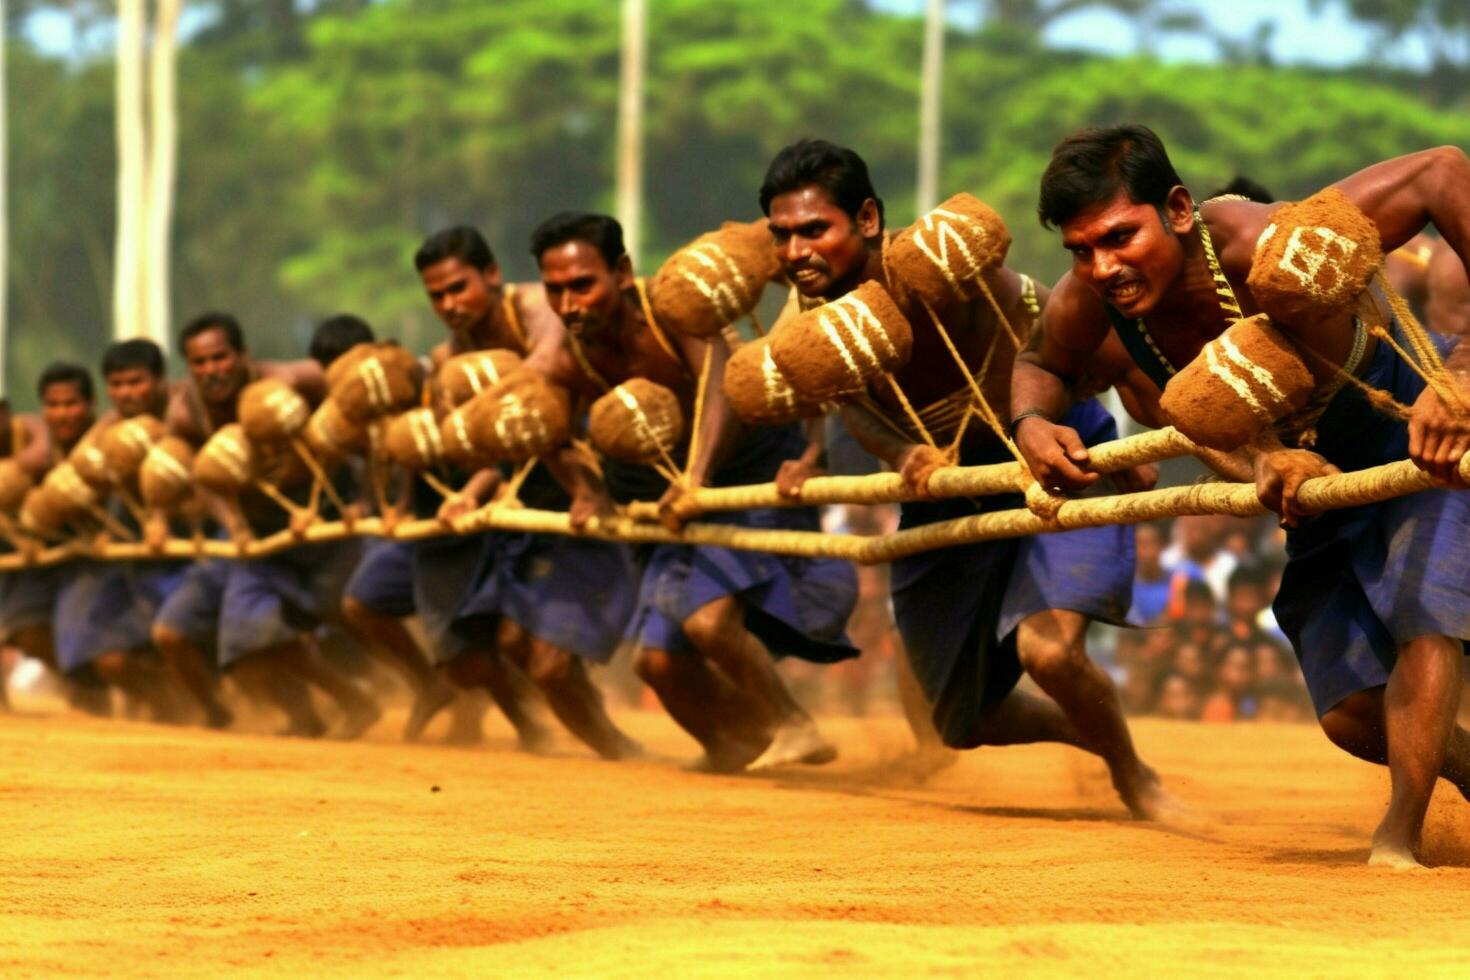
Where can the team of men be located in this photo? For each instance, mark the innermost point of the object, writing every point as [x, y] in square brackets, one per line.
[1375, 599]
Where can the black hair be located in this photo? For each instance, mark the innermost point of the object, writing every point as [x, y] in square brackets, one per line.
[460, 242]
[836, 169]
[1195, 589]
[336, 335]
[126, 355]
[1091, 166]
[601, 231]
[1246, 188]
[65, 372]
[1250, 576]
[213, 320]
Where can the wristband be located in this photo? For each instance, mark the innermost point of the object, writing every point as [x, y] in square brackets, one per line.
[1030, 413]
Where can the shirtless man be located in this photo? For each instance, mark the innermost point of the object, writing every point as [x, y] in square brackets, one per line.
[112, 639]
[1376, 599]
[493, 597]
[42, 608]
[253, 612]
[972, 617]
[708, 619]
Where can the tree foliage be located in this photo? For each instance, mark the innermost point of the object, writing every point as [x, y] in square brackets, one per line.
[320, 141]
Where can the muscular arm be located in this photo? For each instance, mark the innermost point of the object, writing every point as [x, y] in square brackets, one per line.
[1404, 194]
[1061, 351]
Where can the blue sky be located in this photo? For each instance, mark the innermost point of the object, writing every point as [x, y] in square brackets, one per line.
[1302, 35]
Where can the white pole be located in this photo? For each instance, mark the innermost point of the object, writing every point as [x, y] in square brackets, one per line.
[127, 281]
[630, 124]
[162, 161]
[4, 212]
[931, 83]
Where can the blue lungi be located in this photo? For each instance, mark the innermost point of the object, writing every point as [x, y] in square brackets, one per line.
[244, 606]
[957, 608]
[114, 611]
[1360, 582]
[798, 607]
[383, 579]
[576, 594]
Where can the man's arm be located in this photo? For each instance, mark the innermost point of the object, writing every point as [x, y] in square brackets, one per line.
[1402, 195]
[1061, 351]
[915, 462]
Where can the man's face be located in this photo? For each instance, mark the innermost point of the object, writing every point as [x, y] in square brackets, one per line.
[462, 296]
[217, 368]
[821, 248]
[135, 390]
[580, 287]
[66, 413]
[1130, 254]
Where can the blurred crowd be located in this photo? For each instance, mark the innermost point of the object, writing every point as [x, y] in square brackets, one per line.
[1210, 650]
[1213, 650]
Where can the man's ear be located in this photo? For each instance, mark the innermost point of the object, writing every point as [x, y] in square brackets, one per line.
[1179, 210]
[869, 221]
[493, 276]
[624, 272]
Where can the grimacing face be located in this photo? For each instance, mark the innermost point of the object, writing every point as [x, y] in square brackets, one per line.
[461, 295]
[66, 412]
[1130, 254]
[822, 249]
[134, 390]
[218, 369]
[580, 286]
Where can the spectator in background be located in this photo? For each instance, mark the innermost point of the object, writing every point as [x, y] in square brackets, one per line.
[1195, 553]
[1233, 698]
[1150, 582]
[1177, 699]
[1198, 619]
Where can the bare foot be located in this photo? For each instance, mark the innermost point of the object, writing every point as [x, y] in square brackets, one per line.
[1395, 857]
[217, 717]
[622, 748]
[435, 697]
[726, 754]
[1145, 798]
[534, 739]
[796, 742]
[359, 720]
[304, 729]
[1393, 851]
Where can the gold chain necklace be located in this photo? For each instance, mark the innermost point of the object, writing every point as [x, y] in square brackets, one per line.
[1229, 305]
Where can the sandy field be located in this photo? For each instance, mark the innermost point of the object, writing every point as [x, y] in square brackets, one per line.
[133, 849]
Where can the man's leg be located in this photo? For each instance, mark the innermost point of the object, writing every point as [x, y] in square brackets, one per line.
[1409, 725]
[725, 721]
[562, 677]
[185, 660]
[485, 669]
[139, 678]
[360, 711]
[266, 681]
[391, 643]
[930, 749]
[1052, 649]
[717, 630]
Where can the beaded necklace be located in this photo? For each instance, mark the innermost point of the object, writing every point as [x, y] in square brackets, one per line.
[1229, 305]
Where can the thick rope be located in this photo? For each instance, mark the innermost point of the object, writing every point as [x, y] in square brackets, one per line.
[1239, 500]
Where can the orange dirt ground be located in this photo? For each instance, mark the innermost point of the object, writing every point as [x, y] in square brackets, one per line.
[133, 849]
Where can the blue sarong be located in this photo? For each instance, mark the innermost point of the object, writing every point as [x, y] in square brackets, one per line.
[797, 607]
[957, 608]
[1360, 582]
[244, 606]
[114, 611]
[383, 579]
